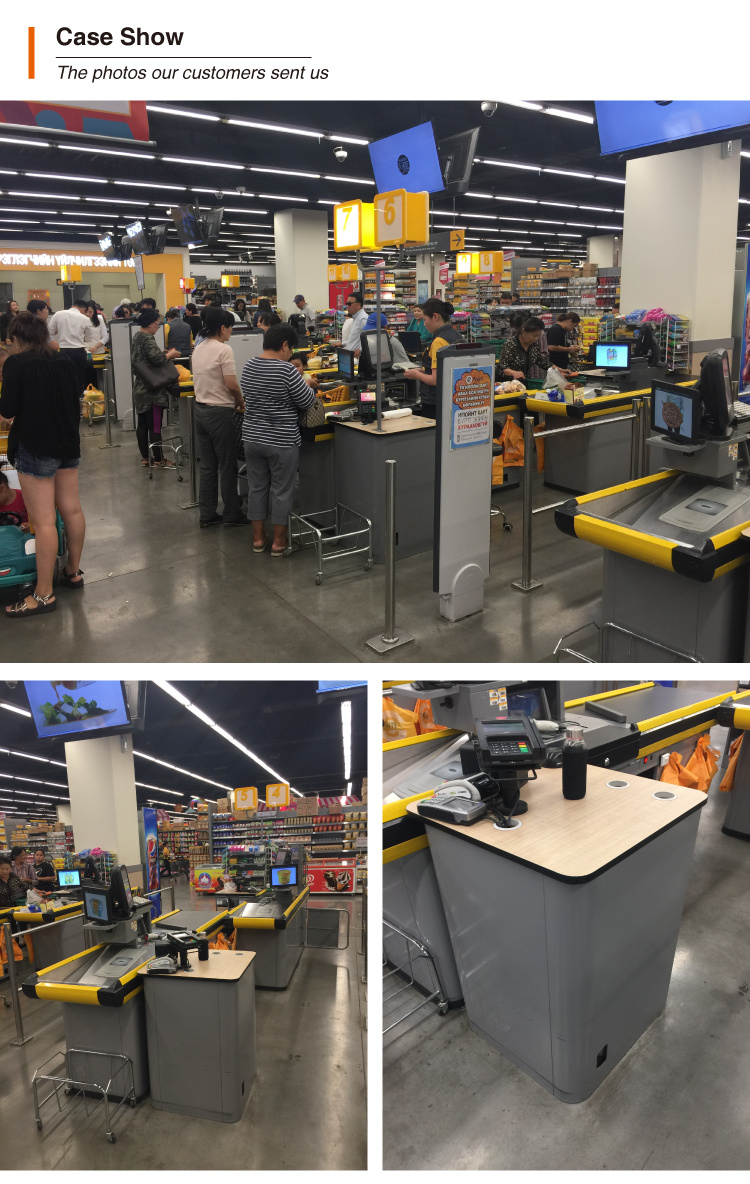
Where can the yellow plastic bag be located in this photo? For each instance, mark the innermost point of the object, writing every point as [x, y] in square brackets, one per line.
[183, 372]
[734, 751]
[675, 773]
[398, 722]
[17, 952]
[703, 763]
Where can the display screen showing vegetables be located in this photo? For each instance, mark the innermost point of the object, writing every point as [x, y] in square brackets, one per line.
[61, 708]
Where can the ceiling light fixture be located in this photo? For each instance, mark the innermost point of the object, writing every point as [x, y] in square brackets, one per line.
[176, 768]
[285, 172]
[185, 114]
[346, 737]
[349, 180]
[511, 164]
[208, 164]
[17, 710]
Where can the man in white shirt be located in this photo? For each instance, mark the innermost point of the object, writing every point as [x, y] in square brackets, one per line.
[72, 330]
[357, 316]
[307, 310]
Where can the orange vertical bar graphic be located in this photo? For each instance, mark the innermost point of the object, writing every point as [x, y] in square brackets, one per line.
[32, 70]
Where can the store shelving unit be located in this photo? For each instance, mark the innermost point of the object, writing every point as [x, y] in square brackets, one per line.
[246, 288]
[187, 838]
[249, 868]
[582, 294]
[608, 288]
[674, 338]
[322, 834]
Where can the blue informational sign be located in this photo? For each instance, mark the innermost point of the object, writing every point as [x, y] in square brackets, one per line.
[745, 354]
[151, 844]
[626, 125]
[472, 403]
[408, 160]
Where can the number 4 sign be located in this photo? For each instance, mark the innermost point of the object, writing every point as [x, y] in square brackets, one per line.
[277, 795]
[401, 217]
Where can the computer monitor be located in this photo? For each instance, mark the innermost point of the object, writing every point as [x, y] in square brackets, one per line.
[69, 879]
[411, 342]
[138, 236]
[97, 905]
[457, 154]
[212, 220]
[676, 412]
[108, 247]
[186, 223]
[372, 340]
[715, 388]
[612, 355]
[158, 238]
[283, 877]
[122, 896]
[345, 362]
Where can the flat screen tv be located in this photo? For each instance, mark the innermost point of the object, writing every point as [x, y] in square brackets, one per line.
[632, 125]
[138, 236]
[77, 709]
[187, 225]
[409, 160]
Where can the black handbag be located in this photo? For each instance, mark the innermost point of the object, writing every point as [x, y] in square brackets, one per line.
[156, 378]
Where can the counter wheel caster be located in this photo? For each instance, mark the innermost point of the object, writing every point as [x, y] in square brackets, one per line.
[38, 1124]
[318, 579]
[133, 1103]
[443, 1009]
[179, 476]
[287, 552]
[111, 1137]
[68, 1091]
[368, 565]
[507, 525]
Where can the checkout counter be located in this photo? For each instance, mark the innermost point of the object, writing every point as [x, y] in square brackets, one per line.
[272, 925]
[53, 942]
[736, 716]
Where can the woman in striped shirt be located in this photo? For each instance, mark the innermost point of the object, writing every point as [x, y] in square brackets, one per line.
[275, 393]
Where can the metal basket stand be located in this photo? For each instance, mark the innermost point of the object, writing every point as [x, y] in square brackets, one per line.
[415, 950]
[340, 530]
[69, 1086]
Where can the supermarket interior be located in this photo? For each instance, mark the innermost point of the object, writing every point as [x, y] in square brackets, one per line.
[525, 324]
[191, 950]
[565, 887]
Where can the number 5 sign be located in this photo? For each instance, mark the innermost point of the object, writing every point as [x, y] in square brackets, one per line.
[277, 795]
[401, 217]
[246, 798]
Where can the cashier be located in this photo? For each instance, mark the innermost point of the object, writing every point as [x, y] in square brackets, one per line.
[520, 353]
[44, 871]
[557, 339]
[437, 315]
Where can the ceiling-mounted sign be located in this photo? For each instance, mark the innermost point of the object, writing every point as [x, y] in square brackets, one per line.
[70, 274]
[353, 226]
[230, 281]
[401, 218]
[246, 798]
[187, 283]
[277, 795]
[128, 121]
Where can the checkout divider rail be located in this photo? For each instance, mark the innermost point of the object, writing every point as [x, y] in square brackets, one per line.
[637, 460]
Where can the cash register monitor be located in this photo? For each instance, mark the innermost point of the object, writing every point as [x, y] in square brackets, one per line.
[97, 905]
[120, 891]
[715, 388]
[411, 342]
[345, 363]
[69, 879]
[371, 341]
[284, 877]
[612, 355]
[676, 412]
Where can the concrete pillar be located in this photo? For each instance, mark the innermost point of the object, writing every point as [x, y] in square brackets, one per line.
[103, 806]
[601, 250]
[301, 258]
[679, 239]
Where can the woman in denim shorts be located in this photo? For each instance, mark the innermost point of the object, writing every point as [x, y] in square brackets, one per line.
[40, 395]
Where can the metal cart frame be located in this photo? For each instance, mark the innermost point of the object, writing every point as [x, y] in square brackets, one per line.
[69, 1085]
[421, 951]
[330, 528]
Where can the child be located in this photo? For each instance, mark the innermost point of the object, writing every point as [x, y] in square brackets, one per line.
[12, 499]
[310, 379]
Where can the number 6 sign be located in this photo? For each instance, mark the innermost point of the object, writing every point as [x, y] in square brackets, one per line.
[277, 795]
[401, 217]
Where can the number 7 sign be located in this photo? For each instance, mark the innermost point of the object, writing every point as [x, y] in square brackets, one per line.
[277, 795]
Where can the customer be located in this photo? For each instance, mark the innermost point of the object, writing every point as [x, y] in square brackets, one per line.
[11, 500]
[557, 339]
[98, 324]
[217, 398]
[307, 311]
[42, 311]
[44, 871]
[516, 298]
[267, 320]
[264, 306]
[417, 325]
[71, 328]
[12, 891]
[372, 321]
[521, 353]
[11, 310]
[177, 333]
[506, 300]
[40, 395]
[149, 405]
[437, 315]
[148, 303]
[23, 867]
[121, 313]
[299, 365]
[240, 311]
[274, 393]
[358, 316]
[193, 320]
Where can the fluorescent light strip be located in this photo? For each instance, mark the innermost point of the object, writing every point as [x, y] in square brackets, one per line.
[280, 197]
[160, 789]
[31, 757]
[27, 210]
[30, 143]
[285, 172]
[272, 127]
[65, 177]
[577, 115]
[48, 196]
[177, 769]
[185, 114]
[527, 201]
[346, 737]
[17, 710]
[33, 780]
[569, 173]
[148, 185]
[170, 690]
[349, 180]
[208, 164]
[17, 221]
[511, 164]
[106, 151]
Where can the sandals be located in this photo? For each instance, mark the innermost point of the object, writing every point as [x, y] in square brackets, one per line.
[277, 554]
[45, 604]
[260, 548]
[67, 578]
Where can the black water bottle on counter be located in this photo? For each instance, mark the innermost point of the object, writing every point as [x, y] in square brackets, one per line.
[574, 758]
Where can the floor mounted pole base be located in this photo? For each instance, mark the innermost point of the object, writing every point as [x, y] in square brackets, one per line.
[383, 645]
[188, 505]
[109, 445]
[527, 587]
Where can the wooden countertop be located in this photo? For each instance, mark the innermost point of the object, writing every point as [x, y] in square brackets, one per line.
[391, 427]
[576, 841]
[224, 965]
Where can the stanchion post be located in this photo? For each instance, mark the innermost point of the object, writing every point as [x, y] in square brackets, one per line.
[171, 896]
[635, 439]
[378, 363]
[645, 433]
[389, 639]
[108, 407]
[16, 1002]
[526, 583]
[193, 502]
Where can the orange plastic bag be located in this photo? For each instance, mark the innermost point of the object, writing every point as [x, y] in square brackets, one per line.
[539, 448]
[675, 773]
[703, 763]
[511, 438]
[222, 942]
[17, 952]
[734, 751]
[425, 719]
[398, 722]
